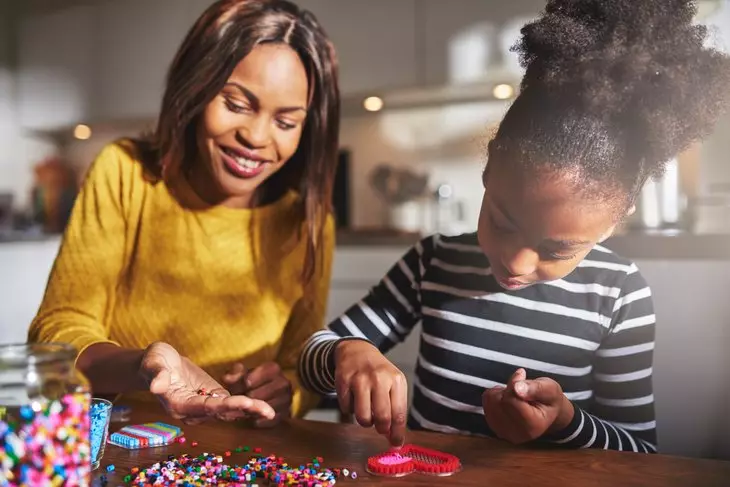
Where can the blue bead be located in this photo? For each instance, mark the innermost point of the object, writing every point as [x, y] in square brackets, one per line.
[110, 468]
[26, 412]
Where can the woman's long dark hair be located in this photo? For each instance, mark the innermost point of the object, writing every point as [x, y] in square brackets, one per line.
[223, 35]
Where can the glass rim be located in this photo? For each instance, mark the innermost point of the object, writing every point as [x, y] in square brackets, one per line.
[24, 354]
[101, 400]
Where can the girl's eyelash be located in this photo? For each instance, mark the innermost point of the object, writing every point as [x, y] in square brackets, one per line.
[548, 255]
[555, 256]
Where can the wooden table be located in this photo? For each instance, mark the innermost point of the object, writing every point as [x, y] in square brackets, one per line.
[486, 462]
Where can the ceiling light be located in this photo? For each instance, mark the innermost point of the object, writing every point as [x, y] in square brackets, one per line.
[82, 132]
[373, 104]
[503, 91]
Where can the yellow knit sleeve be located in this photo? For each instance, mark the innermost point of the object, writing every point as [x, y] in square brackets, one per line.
[81, 286]
[307, 317]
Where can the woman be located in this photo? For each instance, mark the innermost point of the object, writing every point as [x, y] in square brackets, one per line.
[530, 330]
[202, 253]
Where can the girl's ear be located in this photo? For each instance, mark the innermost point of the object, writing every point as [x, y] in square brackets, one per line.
[607, 234]
[485, 174]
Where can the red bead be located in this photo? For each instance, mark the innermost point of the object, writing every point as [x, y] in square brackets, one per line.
[194, 443]
[257, 450]
[228, 453]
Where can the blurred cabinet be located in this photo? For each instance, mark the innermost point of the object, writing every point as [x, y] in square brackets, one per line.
[135, 43]
[56, 67]
[464, 39]
[107, 60]
[375, 41]
[25, 269]
[342, 297]
[355, 269]
[101, 61]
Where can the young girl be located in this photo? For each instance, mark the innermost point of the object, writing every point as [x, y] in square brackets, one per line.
[530, 329]
[206, 248]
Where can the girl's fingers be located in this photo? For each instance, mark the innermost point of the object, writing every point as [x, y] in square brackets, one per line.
[380, 404]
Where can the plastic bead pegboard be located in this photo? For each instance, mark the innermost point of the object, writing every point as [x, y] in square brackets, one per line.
[413, 459]
[145, 435]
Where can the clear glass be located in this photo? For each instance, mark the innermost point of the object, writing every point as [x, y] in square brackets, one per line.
[101, 413]
[44, 416]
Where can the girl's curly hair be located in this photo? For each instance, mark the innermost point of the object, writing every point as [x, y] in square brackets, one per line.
[613, 89]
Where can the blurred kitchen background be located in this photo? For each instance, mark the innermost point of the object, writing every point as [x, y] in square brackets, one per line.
[424, 83]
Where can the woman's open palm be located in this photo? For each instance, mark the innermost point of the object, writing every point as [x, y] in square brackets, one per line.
[176, 381]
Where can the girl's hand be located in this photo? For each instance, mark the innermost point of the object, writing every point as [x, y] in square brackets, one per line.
[372, 388]
[175, 381]
[265, 383]
[526, 409]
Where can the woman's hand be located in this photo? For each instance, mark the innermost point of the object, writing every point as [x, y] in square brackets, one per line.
[526, 409]
[265, 383]
[372, 388]
[175, 381]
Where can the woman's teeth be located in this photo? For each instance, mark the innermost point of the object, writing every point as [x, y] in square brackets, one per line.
[243, 161]
[247, 163]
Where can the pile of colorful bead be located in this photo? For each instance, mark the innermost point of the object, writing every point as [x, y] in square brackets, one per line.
[46, 443]
[203, 392]
[208, 469]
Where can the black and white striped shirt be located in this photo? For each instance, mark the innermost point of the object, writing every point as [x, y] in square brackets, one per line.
[592, 332]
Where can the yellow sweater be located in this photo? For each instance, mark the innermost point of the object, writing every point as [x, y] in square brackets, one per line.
[143, 260]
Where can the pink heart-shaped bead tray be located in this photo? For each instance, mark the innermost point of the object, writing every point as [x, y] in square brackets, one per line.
[413, 459]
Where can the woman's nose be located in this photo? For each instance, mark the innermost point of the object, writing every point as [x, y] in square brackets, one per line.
[256, 133]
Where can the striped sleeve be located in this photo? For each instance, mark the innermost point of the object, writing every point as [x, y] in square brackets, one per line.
[384, 317]
[621, 415]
